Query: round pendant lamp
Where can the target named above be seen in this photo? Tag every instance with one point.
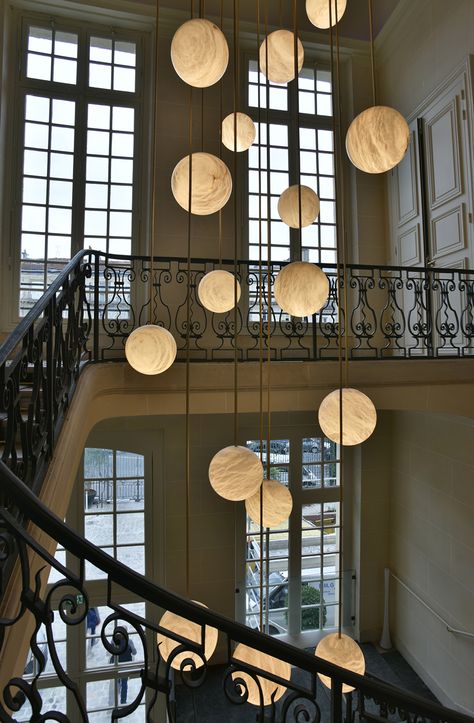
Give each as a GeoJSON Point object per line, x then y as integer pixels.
{"type": "Point", "coordinates": [343, 651]}
{"type": "Point", "coordinates": [359, 416]}
{"type": "Point", "coordinates": [289, 206]}
{"type": "Point", "coordinates": [377, 139]}
{"type": "Point", "coordinates": [235, 473]}
{"type": "Point", "coordinates": [319, 15]}
{"type": "Point", "coordinates": [199, 53]}
{"type": "Point", "coordinates": [277, 504]}
{"type": "Point", "coordinates": [211, 183]}
{"type": "Point", "coordinates": [246, 132]}
{"type": "Point", "coordinates": [301, 288]}
{"type": "Point", "coordinates": [281, 56]}
{"type": "Point", "coordinates": [150, 349]}
{"type": "Point", "coordinates": [189, 630]}
{"type": "Point", "coordinates": [270, 691]}
{"type": "Point", "coordinates": [216, 291]}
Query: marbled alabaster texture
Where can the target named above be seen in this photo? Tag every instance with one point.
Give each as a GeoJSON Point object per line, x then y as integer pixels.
{"type": "Point", "coordinates": [189, 630]}
{"type": "Point", "coordinates": [277, 504]}
{"type": "Point", "coordinates": [289, 206]}
{"type": "Point", "coordinates": [270, 691]}
{"type": "Point", "coordinates": [150, 349]}
{"type": "Point", "coordinates": [281, 56]}
{"type": "Point", "coordinates": [319, 15]}
{"type": "Point", "coordinates": [216, 291]}
{"type": "Point", "coordinates": [359, 416]}
{"type": "Point", "coordinates": [342, 651]}
{"type": "Point", "coordinates": [199, 53]}
{"type": "Point", "coordinates": [301, 288]}
{"type": "Point", "coordinates": [211, 183]}
{"type": "Point", "coordinates": [235, 473]}
{"type": "Point", "coordinates": [246, 132]}
{"type": "Point", "coordinates": [377, 139]}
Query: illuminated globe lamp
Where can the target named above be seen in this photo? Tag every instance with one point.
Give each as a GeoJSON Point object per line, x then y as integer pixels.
{"type": "Point", "coordinates": [217, 291]}
{"type": "Point", "coordinates": [341, 650]}
{"type": "Point", "coordinates": [191, 631]}
{"type": "Point", "coordinates": [150, 349]}
{"type": "Point", "coordinates": [359, 416]}
{"type": "Point", "coordinates": [246, 132]}
{"type": "Point", "coordinates": [235, 473]}
{"type": "Point", "coordinates": [279, 48]}
{"type": "Point", "coordinates": [211, 184]}
{"type": "Point", "coordinates": [277, 504]}
{"type": "Point", "coordinates": [289, 206]}
{"type": "Point", "coordinates": [270, 691]}
{"type": "Point", "coordinates": [301, 288]}
{"type": "Point", "coordinates": [199, 53]}
{"type": "Point", "coordinates": [319, 15]}
{"type": "Point", "coordinates": [377, 139]}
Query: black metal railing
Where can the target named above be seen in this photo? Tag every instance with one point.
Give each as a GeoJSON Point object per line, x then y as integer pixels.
{"type": "Point", "coordinates": [26, 695]}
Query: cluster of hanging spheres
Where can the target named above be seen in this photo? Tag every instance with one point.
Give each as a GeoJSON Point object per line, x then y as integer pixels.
{"type": "Point", "coordinates": [201, 183]}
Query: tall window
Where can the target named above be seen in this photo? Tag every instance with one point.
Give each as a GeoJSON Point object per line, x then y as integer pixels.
{"type": "Point", "coordinates": [272, 158]}
{"type": "Point", "coordinates": [292, 572]}
{"type": "Point", "coordinates": [79, 101]}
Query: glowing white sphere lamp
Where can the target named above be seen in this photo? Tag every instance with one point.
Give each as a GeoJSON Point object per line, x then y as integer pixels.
{"type": "Point", "coordinates": [279, 48]}
{"type": "Point", "coordinates": [359, 416]}
{"type": "Point", "coordinates": [319, 14]}
{"type": "Point", "coordinates": [246, 132]}
{"type": "Point", "coordinates": [199, 53]}
{"type": "Point", "coordinates": [301, 288]}
{"type": "Point", "coordinates": [267, 663]}
{"type": "Point", "coordinates": [189, 630]}
{"type": "Point", "coordinates": [277, 504]}
{"type": "Point", "coordinates": [217, 291]}
{"type": "Point", "coordinates": [342, 651]}
{"type": "Point", "coordinates": [211, 183]}
{"type": "Point", "coordinates": [235, 473]}
{"type": "Point", "coordinates": [150, 349]}
{"type": "Point", "coordinates": [289, 206]}
{"type": "Point", "coordinates": [377, 139]}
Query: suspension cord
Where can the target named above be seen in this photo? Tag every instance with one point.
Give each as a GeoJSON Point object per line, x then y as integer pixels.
{"type": "Point", "coordinates": [154, 171]}
{"type": "Point", "coordinates": [188, 324]}
{"type": "Point", "coordinates": [372, 54]}
{"type": "Point", "coordinates": [236, 235]}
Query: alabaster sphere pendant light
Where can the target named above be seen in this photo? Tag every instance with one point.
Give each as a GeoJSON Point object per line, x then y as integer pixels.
{"type": "Point", "coordinates": [277, 504]}
{"type": "Point", "coordinates": [359, 416]}
{"type": "Point", "coordinates": [377, 139]}
{"type": "Point", "coordinates": [289, 206]}
{"type": "Point", "coordinates": [270, 691]}
{"type": "Point", "coordinates": [217, 291]}
{"type": "Point", "coordinates": [246, 132]}
{"type": "Point", "coordinates": [343, 651]}
{"type": "Point", "coordinates": [321, 16]}
{"type": "Point", "coordinates": [150, 349]}
{"type": "Point", "coordinates": [211, 183]}
{"type": "Point", "coordinates": [191, 631]}
{"type": "Point", "coordinates": [301, 288]}
{"type": "Point", "coordinates": [235, 473]}
{"type": "Point", "coordinates": [279, 49]}
{"type": "Point", "coordinates": [199, 53]}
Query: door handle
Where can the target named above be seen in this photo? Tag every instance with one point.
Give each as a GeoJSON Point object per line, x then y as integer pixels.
{"type": "Point", "coordinates": [430, 262]}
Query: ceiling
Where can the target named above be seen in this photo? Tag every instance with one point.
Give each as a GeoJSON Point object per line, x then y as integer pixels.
{"type": "Point", "coordinates": [354, 24]}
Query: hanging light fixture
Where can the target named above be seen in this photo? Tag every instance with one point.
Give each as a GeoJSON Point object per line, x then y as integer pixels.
{"type": "Point", "coordinates": [216, 291]}
{"type": "Point", "coordinates": [359, 416]}
{"type": "Point", "coordinates": [277, 504]}
{"type": "Point", "coordinates": [269, 691]}
{"type": "Point", "coordinates": [277, 56]}
{"type": "Point", "coordinates": [339, 649]}
{"type": "Point", "coordinates": [289, 206]}
{"type": "Point", "coordinates": [301, 288]}
{"type": "Point", "coordinates": [246, 132]}
{"type": "Point", "coordinates": [235, 473]}
{"type": "Point", "coordinates": [321, 16]}
{"type": "Point", "coordinates": [190, 631]}
{"type": "Point", "coordinates": [377, 138]}
{"type": "Point", "coordinates": [151, 349]}
{"type": "Point", "coordinates": [211, 183]}
{"type": "Point", "coordinates": [199, 53]}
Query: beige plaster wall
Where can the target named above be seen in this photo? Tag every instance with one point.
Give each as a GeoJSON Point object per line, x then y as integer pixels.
{"type": "Point", "coordinates": [432, 548]}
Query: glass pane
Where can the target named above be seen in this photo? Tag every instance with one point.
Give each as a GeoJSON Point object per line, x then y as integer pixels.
{"type": "Point", "coordinates": [65, 44]}
{"type": "Point", "coordinates": [60, 193]}
{"type": "Point", "coordinates": [123, 119]}
{"type": "Point", "coordinates": [62, 139]}
{"type": "Point", "coordinates": [100, 76]}
{"type": "Point", "coordinates": [133, 557]}
{"type": "Point", "coordinates": [124, 79]}
{"type": "Point", "coordinates": [40, 39]}
{"type": "Point", "coordinates": [101, 49]}
{"type": "Point", "coordinates": [98, 462]}
{"type": "Point", "coordinates": [130, 528]}
{"type": "Point", "coordinates": [36, 135]}
{"type": "Point", "coordinates": [64, 112]}
{"type": "Point", "coordinates": [124, 53]}
{"type": "Point", "coordinates": [98, 116]}
{"type": "Point", "coordinates": [61, 165]}
{"type": "Point", "coordinates": [37, 108]}
{"type": "Point", "coordinates": [38, 66]}
{"type": "Point", "coordinates": [34, 190]}
{"type": "Point", "coordinates": [312, 476]}
{"type": "Point", "coordinates": [121, 197]}
{"type": "Point", "coordinates": [65, 71]}
{"type": "Point", "coordinates": [99, 529]}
